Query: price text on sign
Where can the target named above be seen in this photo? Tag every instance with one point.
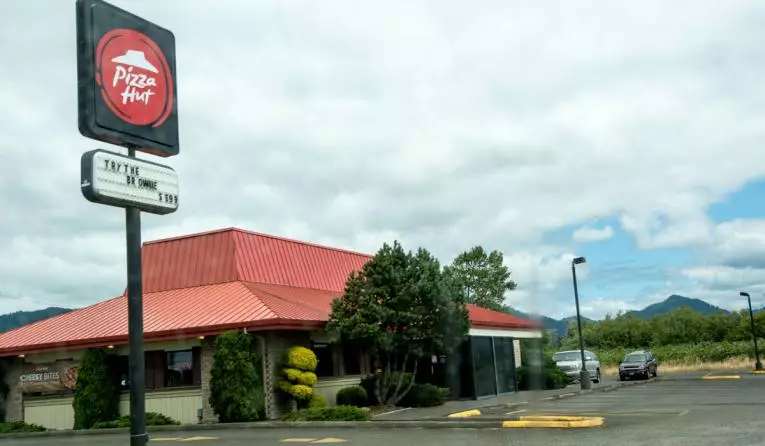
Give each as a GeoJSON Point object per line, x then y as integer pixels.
{"type": "Point", "coordinates": [117, 180]}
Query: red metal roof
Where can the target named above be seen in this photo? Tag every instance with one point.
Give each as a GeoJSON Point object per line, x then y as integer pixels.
{"type": "Point", "coordinates": [233, 254]}
{"type": "Point", "coordinates": [482, 317]}
{"type": "Point", "coordinates": [205, 283]}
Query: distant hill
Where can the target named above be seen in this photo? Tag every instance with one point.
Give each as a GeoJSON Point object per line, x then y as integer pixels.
{"type": "Point", "coordinates": [675, 302]}
{"type": "Point", "coordinates": [671, 303]}
{"type": "Point", "coordinates": [19, 318]}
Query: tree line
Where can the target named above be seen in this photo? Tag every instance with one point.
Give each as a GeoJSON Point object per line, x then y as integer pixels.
{"type": "Point", "coordinates": [678, 327]}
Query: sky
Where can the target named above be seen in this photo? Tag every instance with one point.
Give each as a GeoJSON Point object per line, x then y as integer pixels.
{"type": "Point", "coordinates": [627, 132]}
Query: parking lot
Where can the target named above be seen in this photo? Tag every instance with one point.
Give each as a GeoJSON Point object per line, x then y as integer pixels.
{"type": "Point", "coordinates": [690, 409]}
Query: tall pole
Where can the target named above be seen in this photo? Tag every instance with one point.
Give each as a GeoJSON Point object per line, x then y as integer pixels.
{"type": "Point", "coordinates": [137, 372]}
{"type": "Point", "coordinates": [758, 364]}
{"type": "Point", "coordinates": [584, 376]}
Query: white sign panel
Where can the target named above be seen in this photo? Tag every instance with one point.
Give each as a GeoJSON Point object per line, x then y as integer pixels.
{"type": "Point", "coordinates": [117, 180]}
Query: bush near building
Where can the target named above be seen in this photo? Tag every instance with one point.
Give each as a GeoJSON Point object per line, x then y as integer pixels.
{"type": "Point", "coordinates": [152, 419]}
{"type": "Point", "coordinates": [337, 413]}
{"type": "Point", "coordinates": [352, 396]}
{"type": "Point", "coordinates": [97, 397]}
{"type": "Point", "coordinates": [425, 395]}
{"type": "Point", "coordinates": [236, 384]}
{"type": "Point", "coordinates": [298, 375]}
{"type": "Point", "coordinates": [15, 427]}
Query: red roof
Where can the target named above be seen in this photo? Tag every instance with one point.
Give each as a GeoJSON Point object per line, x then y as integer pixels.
{"type": "Point", "coordinates": [204, 283]}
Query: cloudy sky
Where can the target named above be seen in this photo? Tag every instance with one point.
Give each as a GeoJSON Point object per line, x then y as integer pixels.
{"type": "Point", "coordinates": [628, 132]}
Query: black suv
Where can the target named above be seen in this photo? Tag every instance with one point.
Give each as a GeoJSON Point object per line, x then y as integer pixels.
{"type": "Point", "coordinates": [638, 364]}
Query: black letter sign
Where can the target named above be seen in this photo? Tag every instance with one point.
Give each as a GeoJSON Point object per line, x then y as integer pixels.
{"type": "Point", "coordinates": [126, 79]}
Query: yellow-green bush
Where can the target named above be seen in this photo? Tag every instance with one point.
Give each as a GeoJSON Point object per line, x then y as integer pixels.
{"type": "Point", "coordinates": [301, 392]}
{"type": "Point", "coordinates": [307, 379]}
{"type": "Point", "coordinates": [300, 378]}
{"type": "Point", "coordinates": [302, 358]}
{"type": "Point", "coordinates": [292, 374]}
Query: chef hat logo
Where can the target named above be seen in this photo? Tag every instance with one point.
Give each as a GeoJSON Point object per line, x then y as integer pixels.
{"type": "Point", "coordinates": [136, 59]}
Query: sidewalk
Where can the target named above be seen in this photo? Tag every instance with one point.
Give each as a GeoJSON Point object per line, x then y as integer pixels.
{"type": "Point", "coordinates": [513, 399]}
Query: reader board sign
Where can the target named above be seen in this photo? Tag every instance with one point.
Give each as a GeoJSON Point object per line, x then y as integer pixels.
{"type": "Point", "coordinates": [126, 78]}
{"type": "Point", "coordinates": [118, 180]}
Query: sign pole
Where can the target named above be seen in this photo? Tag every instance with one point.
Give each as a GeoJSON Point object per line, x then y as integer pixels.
{"type": "Point", "coordinates": [137, 373]}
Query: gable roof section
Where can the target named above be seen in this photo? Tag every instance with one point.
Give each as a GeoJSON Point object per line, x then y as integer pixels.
{"type": "Point", "coordinates": [232, 254]}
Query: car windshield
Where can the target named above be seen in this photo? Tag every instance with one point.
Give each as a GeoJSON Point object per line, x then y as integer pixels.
{"type": "Point", "coordinates": [566, 356]}
{"type": "Point", "coordinates": [635, 358]}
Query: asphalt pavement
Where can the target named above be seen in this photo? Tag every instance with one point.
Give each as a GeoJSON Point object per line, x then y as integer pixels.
{"type": "Point", "coordinates": [681, 410]}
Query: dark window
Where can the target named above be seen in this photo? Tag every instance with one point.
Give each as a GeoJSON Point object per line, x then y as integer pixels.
{"type": "Point", "coordinates": [179, 371]}
{"type": "Point", "coordinates": [352, 360]}
{"type": "Point", "coordinates": [324, 355]}
{"type": "Point", "coordinates": [483, 366]}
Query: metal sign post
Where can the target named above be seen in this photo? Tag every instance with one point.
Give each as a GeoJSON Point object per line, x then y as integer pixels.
{"type": "Point", "coordinates": [127, 95]}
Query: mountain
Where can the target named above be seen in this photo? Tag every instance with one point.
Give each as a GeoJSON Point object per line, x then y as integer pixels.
{"type": "Point", "coordinates": [675, 302]}
{"type": "Point", "coordinates": [558, 326]}
{"type": "Point", "coordinates": [14, 320]}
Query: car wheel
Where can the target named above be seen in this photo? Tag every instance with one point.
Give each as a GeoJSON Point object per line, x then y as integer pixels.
{"type": "Point", "coordinates": [597, 377]}
{"type": "Point", "coordinates": [621, 377]}
{"type": "Point", "coordinates": [655, 373]}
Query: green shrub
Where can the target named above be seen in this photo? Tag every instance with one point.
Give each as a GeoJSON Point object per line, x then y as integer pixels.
{"type": "Point", "coordinates": [337, 413]}
{"type": "Point", "coordinates": [317, 401]}
{"type": "Point", "coordinates": [425, 395]}
{"type": "Point", "coordinates": [369, 382]}
{"type": "Point", "coordinates": [96, 397]}
{"type": "Point", "coordinates": [352, 396]}
{"type": "Point", "coordinates": [551, 376]}
{"type": "Point", "coordinates": [152, 419]}
{"type": "Point", "coordinates": [13, 427]}
{"type": "Point", "coordinates": [236, 386]}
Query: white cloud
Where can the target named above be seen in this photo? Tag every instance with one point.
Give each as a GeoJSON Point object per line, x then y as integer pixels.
{"type": "Point", "coordinates": [587, 234]}
{"type": "Point", "coordinates": [445, 126]}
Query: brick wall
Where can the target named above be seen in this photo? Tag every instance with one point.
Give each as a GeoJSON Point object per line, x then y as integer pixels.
{"type": "Point", "coordinates": [14, 405]}
{"type": "Point", "coordinates": [206, 360]}
{"type": "Point", "coordinates": [276, 345]}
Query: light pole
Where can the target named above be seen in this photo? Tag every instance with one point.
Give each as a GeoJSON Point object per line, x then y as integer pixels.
{"type": "Point", "coordinates": [758, 364]}
{"type": "Point", "coordinates": [584, 375]}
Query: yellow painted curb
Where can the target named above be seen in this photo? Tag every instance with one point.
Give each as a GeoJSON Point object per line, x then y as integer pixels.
{"type": "Point", "coordinates": [559, 422]}
{"type": "Point", "coordinates": [757, 372]}
{"type": "Point", "coordinates": [465, 414]}
{"type": "Point", "coordinates": [721, 377]}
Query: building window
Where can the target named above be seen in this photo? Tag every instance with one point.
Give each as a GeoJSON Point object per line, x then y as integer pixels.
{"type": "Point", "coordinates": [326, 366]}
{"type": "Point", "coordinates": [179, 371]}
{"type": "Point", "coordinates": [351, 360]}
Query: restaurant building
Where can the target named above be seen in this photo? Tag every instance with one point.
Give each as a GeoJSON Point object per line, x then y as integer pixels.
{"type": "Point", "coordinates": [200, 285]}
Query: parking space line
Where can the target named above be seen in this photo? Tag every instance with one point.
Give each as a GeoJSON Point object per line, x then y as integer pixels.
{"type": "Point", "coordinates": [516, 411]}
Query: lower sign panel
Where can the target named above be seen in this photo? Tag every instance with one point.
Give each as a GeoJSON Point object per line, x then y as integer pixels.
{"type": "Point", "coordinates": [118, 180]}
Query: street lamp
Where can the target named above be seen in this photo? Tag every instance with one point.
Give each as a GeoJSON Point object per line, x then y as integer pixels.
{"type": "Point", "coordinates": [584, 375]}
{"type": "Point", "coordinates": [758, 364]}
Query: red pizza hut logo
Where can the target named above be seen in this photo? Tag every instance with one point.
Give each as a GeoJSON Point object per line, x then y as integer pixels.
{"type": "Point", "coordinates": [134, 77]}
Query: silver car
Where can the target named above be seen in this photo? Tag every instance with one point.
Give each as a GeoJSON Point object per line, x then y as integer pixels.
{"type": "Point", "coordinates": [571, 363]}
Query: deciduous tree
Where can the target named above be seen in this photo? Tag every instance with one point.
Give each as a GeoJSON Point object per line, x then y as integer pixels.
{"type": "Point", "coordinates": [482, 277]}
{"type": "Point", "coordinates": [402, 307]}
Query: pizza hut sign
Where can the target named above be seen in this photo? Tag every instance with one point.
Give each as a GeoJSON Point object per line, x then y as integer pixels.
{"type": "Point", "coordinates": [126, 79]}
{"type": "Point", "coordinates": [49, 378]}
